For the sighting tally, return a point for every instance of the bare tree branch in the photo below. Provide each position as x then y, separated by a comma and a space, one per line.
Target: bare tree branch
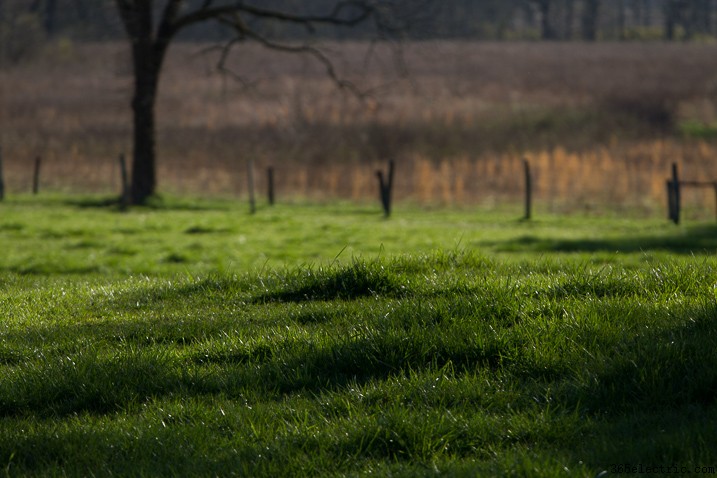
169, 17
150, 41
364, 10
244, 31
221, 66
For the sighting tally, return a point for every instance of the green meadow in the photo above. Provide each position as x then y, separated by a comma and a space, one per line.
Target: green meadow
192, 338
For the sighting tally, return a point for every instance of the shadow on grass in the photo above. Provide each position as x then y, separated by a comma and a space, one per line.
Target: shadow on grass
112, 202
651, 399
45, 270
86, 383
156, 203
694, 240
345, 283
656, 401
670, 368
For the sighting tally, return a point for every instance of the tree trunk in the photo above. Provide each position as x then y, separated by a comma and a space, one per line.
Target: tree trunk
646, 13
147, 62
590, 20
144, 180
701, 16
148, 51
547, 32
569, 19
50, 20
672, 13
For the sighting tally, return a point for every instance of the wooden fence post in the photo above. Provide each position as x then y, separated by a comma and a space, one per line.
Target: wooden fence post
386, 188
2, 179
250, 179
670, 200
270, 185
528, 190
124, 198
36, 176
673, 198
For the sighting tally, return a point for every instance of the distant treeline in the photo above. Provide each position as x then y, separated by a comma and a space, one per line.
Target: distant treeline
589, 20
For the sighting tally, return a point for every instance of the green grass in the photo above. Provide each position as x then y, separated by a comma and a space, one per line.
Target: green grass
311, 340
698, 130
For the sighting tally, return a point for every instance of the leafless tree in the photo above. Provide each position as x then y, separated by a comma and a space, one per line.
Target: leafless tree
152, 25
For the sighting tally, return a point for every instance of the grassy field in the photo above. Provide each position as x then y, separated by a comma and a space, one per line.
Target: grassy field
191, 338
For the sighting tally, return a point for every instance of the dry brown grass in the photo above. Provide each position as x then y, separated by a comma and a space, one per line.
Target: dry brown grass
595, 122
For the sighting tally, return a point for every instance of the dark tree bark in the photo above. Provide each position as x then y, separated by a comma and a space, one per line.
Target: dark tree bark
150, 40
546, 27
646, 13
46, 10
148, 51
674, 17
700, 16
590, 19
569, 19
50, 22
640, 9
81, 10
146, 73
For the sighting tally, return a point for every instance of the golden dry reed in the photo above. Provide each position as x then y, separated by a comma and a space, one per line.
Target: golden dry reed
630, 175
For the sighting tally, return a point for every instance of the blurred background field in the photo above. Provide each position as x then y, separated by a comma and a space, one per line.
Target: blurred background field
600, 123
